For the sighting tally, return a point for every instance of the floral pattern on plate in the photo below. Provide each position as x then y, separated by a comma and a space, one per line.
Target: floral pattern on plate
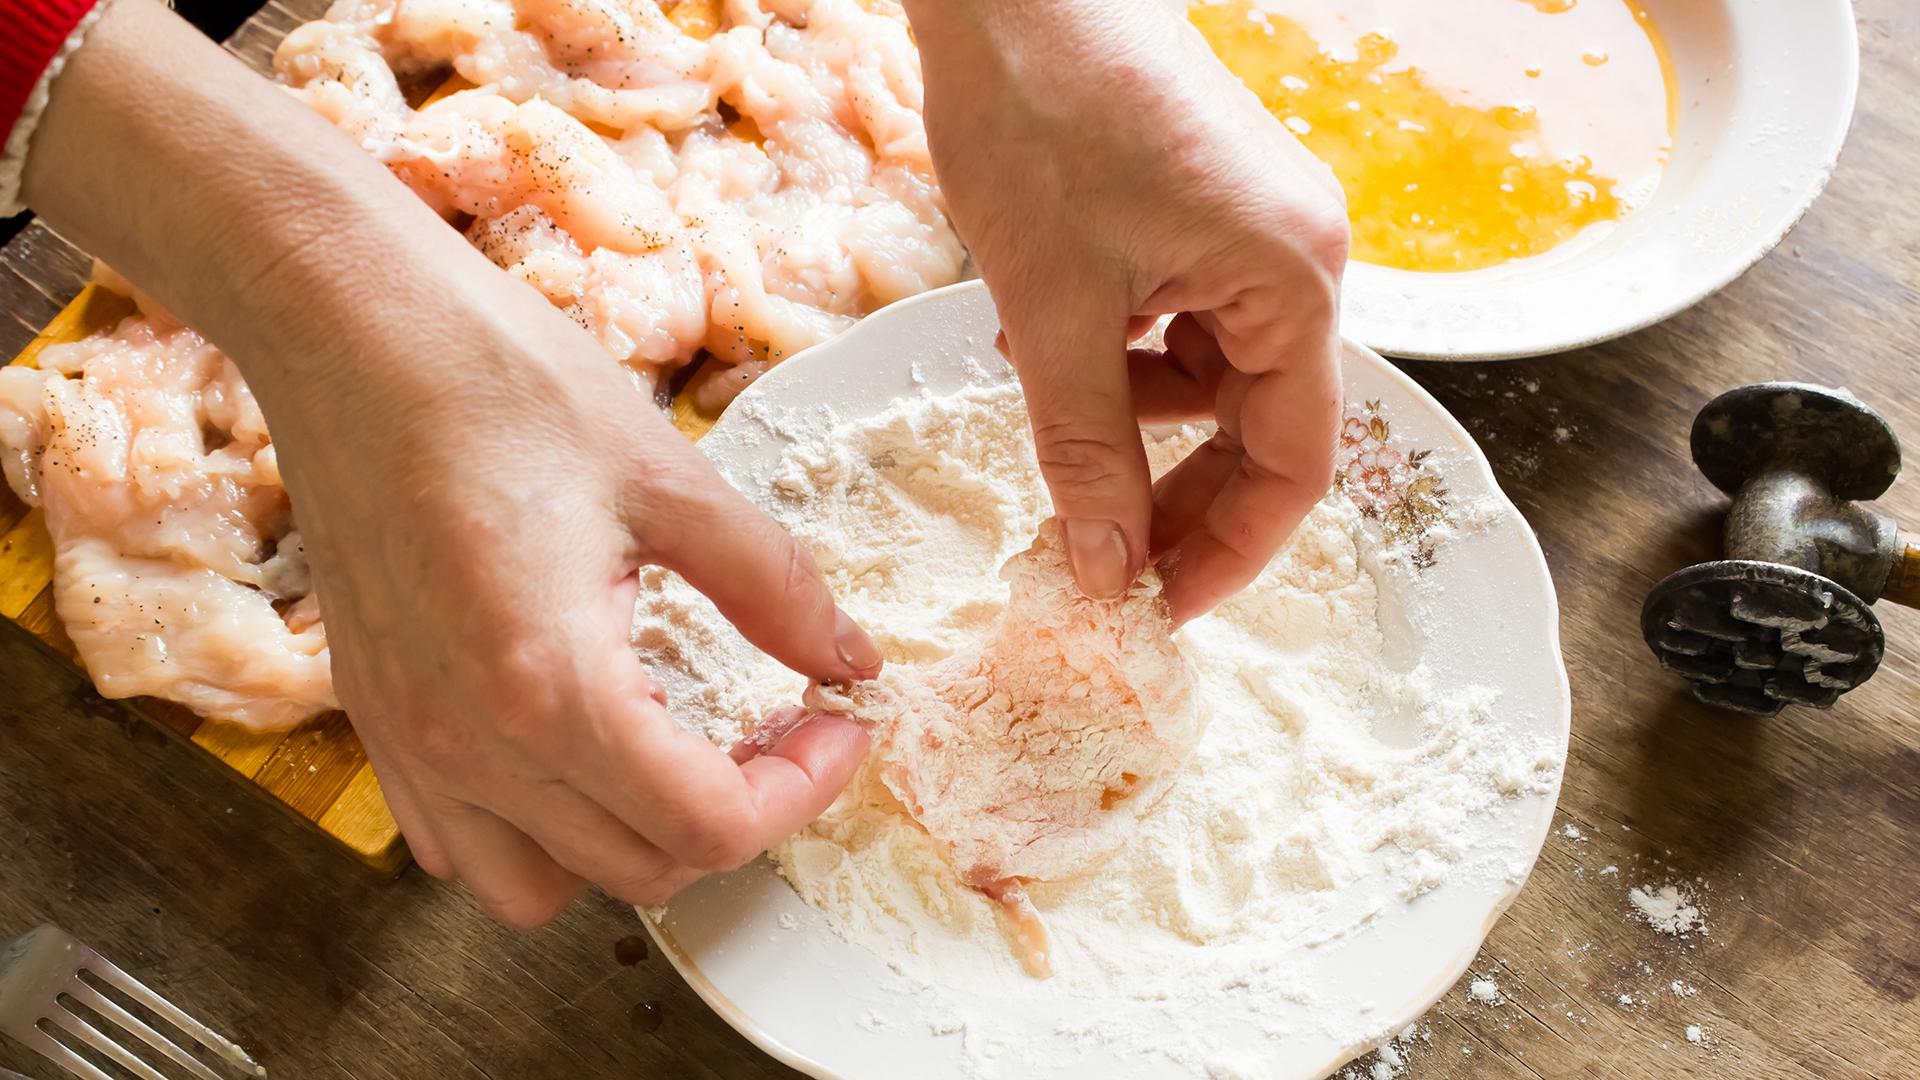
1399, 489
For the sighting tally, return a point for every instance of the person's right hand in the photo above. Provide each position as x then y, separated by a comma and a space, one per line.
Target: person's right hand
476, 483
475, 551
1105, 169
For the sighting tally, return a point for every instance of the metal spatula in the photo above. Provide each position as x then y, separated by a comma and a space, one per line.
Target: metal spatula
41, 982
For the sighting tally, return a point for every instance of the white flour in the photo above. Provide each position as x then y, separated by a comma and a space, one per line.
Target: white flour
1321, 765
1669, 909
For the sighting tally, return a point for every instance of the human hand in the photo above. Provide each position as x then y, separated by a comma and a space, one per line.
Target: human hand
1104, 168
475, 554
476, 485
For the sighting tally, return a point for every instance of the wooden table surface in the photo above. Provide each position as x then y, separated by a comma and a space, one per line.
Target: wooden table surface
1800, 834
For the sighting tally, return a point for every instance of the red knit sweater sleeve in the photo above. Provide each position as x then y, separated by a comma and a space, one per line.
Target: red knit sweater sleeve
31, 34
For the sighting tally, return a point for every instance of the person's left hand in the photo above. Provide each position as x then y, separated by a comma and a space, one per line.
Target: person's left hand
1104, 169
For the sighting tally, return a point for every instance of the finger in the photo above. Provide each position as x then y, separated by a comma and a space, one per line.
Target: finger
753, 570
691, 800
588, 841
1180, 383
770, 730
1182, 496
1290, 319
514, 881
794, 782
1265, 331
1287, 430
403, 801
1071, 359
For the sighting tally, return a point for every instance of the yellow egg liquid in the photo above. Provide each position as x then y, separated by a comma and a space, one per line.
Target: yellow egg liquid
1467, 133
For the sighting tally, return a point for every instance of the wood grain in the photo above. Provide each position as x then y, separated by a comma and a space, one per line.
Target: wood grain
1799, 832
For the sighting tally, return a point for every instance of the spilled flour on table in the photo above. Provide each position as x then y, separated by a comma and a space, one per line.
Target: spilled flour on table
1669, 909
1330, 783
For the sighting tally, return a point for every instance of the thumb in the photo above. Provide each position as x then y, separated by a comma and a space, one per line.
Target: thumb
1072, 362
693, 522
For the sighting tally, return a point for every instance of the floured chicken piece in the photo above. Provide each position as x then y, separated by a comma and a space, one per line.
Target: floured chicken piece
177, 569
1032, 756
743, 179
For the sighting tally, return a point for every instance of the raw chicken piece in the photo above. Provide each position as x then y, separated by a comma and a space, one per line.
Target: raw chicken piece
619, 65
177, 573
1031, 757
344, 78
752, 190
834, 213
556, 205
479, 153
185, 633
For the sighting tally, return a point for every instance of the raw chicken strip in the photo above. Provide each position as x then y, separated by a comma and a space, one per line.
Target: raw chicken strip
617, 64
554, 204
747, 177
177, 570
1031, 757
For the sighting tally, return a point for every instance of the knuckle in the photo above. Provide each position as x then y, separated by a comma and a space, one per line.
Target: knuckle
731, 853
1327, 236
436, 740
724, 840
523, 664
1074, 461
521, 904
525, 693
522, 728
799, 574
1330, 183
655, 893
671, 504
432, 861
649, 888
524, 911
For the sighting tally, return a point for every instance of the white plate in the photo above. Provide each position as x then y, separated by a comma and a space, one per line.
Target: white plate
1486, 615
1766, 93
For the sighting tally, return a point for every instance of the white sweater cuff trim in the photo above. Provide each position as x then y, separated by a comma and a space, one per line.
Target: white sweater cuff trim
13, 159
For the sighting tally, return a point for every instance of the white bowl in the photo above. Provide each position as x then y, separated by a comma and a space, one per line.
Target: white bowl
1766, 93
1484, 614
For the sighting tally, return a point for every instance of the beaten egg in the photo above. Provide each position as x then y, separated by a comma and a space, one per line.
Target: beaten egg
1466, 133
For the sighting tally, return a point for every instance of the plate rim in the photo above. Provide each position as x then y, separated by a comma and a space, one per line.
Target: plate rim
1794, 213
741, 1021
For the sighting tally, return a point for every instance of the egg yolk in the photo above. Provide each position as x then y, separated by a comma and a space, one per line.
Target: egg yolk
1466, 133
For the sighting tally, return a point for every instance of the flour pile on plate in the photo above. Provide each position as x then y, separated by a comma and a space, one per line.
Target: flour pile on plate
1324, 774
1031, 755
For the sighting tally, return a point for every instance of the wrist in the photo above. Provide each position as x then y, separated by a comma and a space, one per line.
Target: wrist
239, 209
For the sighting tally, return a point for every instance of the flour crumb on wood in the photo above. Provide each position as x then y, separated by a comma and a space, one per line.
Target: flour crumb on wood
1669, 909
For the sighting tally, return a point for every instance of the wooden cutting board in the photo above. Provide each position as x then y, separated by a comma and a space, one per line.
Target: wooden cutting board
316, 772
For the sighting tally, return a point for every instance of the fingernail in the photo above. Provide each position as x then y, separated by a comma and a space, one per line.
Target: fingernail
1097, 550
855, 647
